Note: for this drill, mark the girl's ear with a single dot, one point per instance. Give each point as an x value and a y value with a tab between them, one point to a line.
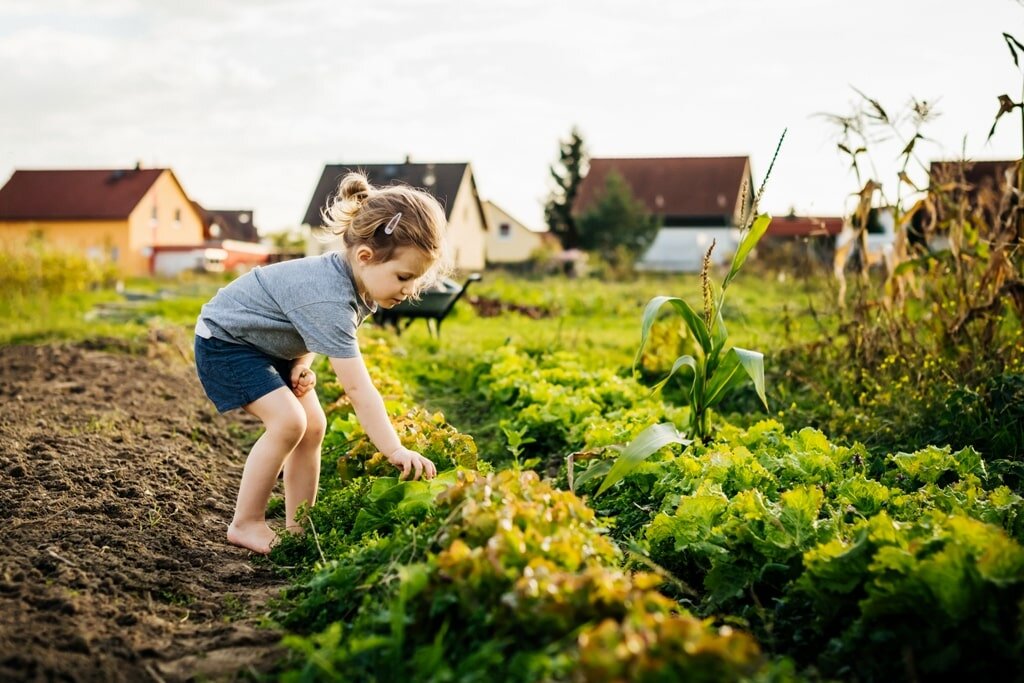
364	254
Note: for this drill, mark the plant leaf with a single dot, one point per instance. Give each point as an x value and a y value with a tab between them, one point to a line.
1010	42
1006	105
720	332
694	322
728	375
680	362
749	241
647	442
598	469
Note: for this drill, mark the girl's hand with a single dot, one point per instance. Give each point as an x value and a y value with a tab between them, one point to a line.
409	461
303	380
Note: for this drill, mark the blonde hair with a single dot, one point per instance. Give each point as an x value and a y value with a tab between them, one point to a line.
364	215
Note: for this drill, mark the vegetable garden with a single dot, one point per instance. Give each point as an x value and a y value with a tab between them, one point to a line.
580	536
815	478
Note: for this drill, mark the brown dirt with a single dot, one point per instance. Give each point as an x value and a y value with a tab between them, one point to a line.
117	482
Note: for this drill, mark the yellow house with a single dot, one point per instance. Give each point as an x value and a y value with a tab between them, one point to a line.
509	241
117	216
451	183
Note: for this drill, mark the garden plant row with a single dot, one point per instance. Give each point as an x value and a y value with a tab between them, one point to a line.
760	555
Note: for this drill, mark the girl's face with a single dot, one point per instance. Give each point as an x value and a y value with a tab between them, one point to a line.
393	281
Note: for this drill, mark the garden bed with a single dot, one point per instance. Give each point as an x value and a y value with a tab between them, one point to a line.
118	485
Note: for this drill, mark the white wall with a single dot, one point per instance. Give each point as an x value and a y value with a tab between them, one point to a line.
681	250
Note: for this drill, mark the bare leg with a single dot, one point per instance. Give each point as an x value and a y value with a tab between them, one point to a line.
285	421
302	468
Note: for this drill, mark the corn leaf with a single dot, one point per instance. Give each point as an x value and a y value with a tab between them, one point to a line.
680	362
647	442
694	322
728	375
598	469
747	244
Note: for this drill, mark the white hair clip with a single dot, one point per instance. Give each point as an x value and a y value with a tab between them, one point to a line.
390	227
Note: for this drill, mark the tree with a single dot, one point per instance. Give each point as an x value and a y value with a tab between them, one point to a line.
617	222
568	172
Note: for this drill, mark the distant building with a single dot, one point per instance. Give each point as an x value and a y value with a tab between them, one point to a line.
698	199
511	242
117	216
797	227
234	231
990	175
228	224
796	241
451	183
984	186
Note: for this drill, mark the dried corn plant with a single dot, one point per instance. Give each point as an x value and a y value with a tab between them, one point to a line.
955	268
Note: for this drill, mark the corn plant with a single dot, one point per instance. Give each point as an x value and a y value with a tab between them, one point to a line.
716	368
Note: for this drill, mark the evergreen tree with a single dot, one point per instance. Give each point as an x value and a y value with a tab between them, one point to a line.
568	172
617	222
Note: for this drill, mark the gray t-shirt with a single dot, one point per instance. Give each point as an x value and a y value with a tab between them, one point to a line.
290	308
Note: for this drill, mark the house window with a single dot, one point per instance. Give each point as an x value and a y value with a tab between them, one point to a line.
177	218
504	231
152	218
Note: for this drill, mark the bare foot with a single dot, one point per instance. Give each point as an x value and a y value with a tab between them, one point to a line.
256	536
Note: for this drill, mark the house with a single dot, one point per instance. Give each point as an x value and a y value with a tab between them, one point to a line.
983	185
511	242
224	224
698	199
793	241
451	183
792	227
118	216
234	231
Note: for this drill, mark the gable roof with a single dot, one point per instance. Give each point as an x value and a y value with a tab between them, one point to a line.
75	194
804	226
440	180
487	203
672	186
234	224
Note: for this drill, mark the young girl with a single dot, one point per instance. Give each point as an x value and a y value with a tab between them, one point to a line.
257	337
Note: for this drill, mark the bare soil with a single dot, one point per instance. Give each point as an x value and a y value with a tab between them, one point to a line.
117	483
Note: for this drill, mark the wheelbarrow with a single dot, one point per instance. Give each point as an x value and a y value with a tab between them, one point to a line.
433	306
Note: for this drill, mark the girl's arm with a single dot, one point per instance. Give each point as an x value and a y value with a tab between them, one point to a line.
373	417
306	360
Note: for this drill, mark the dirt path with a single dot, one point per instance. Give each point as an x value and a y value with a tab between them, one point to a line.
117	481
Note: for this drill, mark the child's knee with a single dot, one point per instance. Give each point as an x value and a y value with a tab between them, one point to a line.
289	427
316	426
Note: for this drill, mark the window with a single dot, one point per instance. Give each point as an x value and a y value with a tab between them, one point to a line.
177	218
504	231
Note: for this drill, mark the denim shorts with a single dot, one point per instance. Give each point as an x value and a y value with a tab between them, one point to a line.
235	375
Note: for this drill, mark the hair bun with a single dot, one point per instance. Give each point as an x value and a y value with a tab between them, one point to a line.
355	187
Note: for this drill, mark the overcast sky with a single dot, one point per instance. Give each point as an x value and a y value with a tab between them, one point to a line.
246	100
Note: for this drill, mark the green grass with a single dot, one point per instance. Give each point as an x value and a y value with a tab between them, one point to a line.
102	314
